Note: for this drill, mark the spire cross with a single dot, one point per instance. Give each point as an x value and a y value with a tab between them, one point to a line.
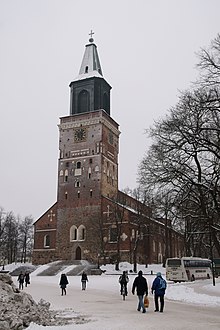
91	33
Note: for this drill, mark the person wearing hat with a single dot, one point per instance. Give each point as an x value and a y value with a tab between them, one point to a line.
140	284
158	288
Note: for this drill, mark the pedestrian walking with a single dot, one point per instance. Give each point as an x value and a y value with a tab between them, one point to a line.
140	284
21	281
27	278
158	288
84	279
63	283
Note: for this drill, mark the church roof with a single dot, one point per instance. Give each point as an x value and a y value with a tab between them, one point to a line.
90	66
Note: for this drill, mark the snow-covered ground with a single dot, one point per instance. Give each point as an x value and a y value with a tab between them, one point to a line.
101	306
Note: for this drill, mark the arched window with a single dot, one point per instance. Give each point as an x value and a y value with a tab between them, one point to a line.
46	241
78	170
77	184
133	233
83	101
159	247
154	246
89	172
73	233
81	233
66	176
61	173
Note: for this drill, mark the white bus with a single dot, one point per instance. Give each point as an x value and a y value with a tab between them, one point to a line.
187	269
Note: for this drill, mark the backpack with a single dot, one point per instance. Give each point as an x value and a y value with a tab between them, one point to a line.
163	284
123	279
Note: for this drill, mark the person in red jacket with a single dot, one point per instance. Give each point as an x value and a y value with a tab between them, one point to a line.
140	284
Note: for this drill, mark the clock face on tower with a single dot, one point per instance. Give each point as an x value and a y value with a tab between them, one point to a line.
80	134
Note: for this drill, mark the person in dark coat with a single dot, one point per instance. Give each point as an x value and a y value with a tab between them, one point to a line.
159	288
123	280
84	279
21	281
63	283
140	284
27	278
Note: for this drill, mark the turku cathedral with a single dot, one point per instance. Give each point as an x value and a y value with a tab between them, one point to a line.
91	219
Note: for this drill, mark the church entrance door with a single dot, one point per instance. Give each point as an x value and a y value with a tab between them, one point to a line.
78	253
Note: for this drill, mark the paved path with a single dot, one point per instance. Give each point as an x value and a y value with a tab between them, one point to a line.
107	311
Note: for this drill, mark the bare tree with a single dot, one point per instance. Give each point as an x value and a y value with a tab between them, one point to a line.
184	156
26	238
16	237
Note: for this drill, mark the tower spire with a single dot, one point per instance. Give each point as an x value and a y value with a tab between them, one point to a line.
89	90
90	66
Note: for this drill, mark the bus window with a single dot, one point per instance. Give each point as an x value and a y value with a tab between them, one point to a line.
174	262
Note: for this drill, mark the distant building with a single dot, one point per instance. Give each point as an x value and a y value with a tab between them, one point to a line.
91	218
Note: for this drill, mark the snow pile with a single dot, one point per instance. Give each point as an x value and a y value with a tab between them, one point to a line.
18	309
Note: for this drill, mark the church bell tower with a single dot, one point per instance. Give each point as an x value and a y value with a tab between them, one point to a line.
88	161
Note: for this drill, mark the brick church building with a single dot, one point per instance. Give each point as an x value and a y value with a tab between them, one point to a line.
91	219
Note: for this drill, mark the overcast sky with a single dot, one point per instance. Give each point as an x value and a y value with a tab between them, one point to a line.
147	50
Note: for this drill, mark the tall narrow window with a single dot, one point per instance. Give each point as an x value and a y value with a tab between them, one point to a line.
90	192
78	194
133	233
73	233
66	195
113	234
46	241
83	101
97	148
81	233
78	170
154	246
66	176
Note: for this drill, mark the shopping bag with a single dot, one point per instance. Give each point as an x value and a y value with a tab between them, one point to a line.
146	302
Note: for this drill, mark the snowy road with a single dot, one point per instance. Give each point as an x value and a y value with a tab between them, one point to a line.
103	309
